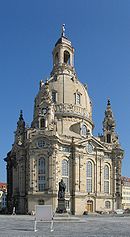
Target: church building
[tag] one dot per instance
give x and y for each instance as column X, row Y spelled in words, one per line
column 60, row 144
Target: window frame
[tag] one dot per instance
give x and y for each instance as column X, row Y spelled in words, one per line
column 41, row 174
column 106, row 179
column 89, row 177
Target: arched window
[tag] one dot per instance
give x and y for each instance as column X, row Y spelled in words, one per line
column 106, row 179
column 84, row 130
column 65, row 173
column 107, row 204
column 66, row 57
column 41, row 166
column 41, row 174
column 56, row 58
column 89, row 177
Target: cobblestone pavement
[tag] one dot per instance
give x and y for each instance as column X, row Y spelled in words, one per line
column 88, row 226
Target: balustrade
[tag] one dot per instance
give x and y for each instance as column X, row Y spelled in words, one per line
column 69, row 108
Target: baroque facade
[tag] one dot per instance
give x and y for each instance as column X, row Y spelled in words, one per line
column 60, row 144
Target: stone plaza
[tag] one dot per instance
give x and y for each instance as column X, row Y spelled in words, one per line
column 85, row 226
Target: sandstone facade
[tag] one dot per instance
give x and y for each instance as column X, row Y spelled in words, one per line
column 60, row 144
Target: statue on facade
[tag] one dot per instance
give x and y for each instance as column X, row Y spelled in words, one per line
column 61, row 192
column 61, row 197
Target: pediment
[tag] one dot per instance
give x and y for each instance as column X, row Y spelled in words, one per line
column 93, row 141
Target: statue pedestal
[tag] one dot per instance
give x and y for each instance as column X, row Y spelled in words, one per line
column 61, row 206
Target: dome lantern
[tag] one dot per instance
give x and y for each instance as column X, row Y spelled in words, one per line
column 63, row 53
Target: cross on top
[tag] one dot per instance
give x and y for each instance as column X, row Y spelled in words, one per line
column 63, row 30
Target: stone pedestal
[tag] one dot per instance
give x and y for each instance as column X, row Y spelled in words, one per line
column 61, row 206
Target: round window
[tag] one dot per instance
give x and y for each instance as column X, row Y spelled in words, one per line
column 41, row 143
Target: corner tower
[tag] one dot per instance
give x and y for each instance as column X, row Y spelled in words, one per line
column 109, row 125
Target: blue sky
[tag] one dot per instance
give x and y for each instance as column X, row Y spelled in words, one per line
column 100, row 33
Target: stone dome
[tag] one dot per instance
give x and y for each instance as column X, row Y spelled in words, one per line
column 70, row 91
column 65, row 93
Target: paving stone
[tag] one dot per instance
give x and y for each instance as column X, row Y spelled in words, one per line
column 88, row 226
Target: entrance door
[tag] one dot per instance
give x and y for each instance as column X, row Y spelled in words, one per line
column 89, row 206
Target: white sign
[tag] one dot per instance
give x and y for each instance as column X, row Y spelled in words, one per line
column 43, row 213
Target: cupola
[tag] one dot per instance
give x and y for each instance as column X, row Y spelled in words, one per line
column 63, row 52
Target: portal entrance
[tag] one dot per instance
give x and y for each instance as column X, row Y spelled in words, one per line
column 89, row 206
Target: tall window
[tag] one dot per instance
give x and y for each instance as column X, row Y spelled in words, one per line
column 65, row 173
column 77, row 98
column 106, row 179
column 41, row 174
column 89, row 177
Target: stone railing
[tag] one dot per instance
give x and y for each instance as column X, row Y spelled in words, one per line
column 72, row 109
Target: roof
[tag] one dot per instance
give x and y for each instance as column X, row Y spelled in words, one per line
column 63, row 39
column 125, row 179
column 3, row 185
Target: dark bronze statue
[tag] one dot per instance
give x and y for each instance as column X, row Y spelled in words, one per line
column 61, row 198
column 61, row 192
